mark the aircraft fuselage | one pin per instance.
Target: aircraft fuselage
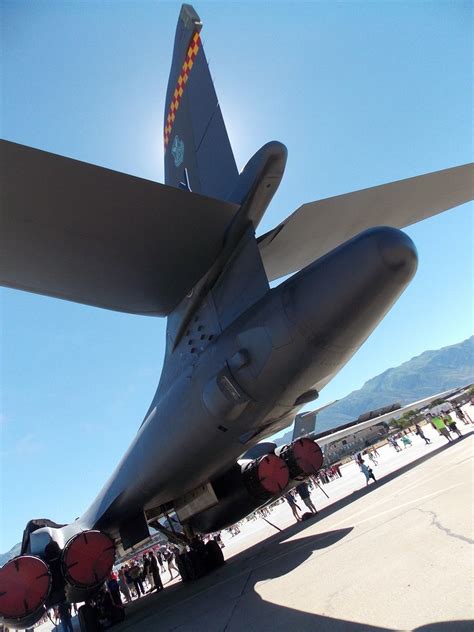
(251, 378)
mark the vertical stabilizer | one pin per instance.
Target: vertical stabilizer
(198, 155)
(305, 423)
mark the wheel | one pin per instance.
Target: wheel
(88, 621)
(196, 564)
(215, 557)
(182, 567)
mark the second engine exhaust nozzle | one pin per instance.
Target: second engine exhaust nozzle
(88, 559)
(303, 457)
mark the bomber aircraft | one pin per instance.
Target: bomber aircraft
(241, 358)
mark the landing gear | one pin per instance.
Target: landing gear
(200, 560)
(88, 621)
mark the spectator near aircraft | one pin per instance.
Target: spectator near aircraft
(154, 569)
(421, 434)
(290, 499)
(462, 416)
(304, 494)
(451, 424)
(367, 472)
(440, 426)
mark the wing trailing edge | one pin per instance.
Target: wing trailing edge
(76, 231)
(317, 227)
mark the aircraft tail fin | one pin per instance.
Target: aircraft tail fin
(198, 154)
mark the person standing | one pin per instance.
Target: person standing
(440, 426)
(64, 611)
(461, 415)
(123, 585)
(290, 499)
(394, 444)
(421, 434)
(135, 574)
(147, 574)
(406, 441)
(169, 559)
(155, 571)
(451, 424)
(161, 560)
(371, 456)
(304, 494)
(367, 472)
(113, 587)
(129, 580)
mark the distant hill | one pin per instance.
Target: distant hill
(4, 557)
(422, 376)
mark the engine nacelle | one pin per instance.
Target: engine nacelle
(25, 584)
(251, 484)
(241, 490)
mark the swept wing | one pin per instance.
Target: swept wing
(317, 227)
(76, 231)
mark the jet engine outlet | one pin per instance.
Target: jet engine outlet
(303, 457)
(266, 476)
(25, 584)
(241, 490)
(87, 559)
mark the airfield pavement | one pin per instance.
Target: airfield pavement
(391, 556)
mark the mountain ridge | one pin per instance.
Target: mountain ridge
(423, 375)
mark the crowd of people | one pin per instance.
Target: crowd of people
(443, 422)
(141, 576)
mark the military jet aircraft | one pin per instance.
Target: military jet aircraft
(241, 358)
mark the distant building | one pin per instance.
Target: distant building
(356, 442)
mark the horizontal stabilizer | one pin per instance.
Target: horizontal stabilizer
(316, 228)
(76, 231)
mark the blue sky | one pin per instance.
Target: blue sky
(361, 94)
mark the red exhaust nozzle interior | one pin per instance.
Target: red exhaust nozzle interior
(266, 476)
(25, 583)
(88, 558)
(308, 455)
(303, 457)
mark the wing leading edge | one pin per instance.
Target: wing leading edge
(76, 231)
(317, 227)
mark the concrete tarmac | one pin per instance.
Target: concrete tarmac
(394, 555)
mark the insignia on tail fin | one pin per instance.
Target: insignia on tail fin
(198, 155)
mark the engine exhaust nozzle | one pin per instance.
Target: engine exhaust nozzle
(266, 476)
(25, 584)
(87, 559)
(303, 457)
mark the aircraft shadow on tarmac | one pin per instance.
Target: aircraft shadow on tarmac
(254, 613)
(228, 600)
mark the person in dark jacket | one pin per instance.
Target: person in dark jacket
(64, 610)
(304, 494)
(155, 571)
(114, 588)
